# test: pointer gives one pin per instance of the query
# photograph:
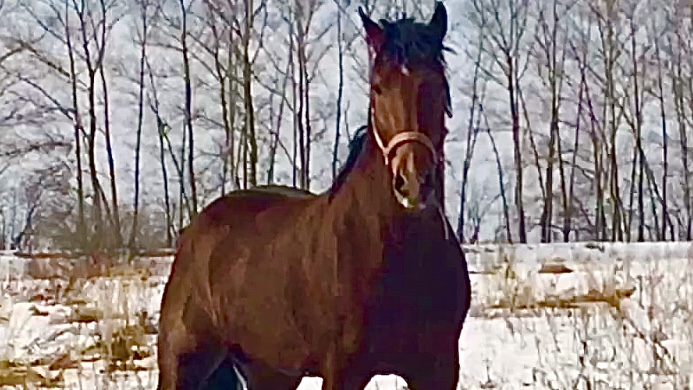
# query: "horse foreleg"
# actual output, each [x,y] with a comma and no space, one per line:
[262,377]
[202,369]
[187,359]
[442,372]
[352,374]
[331,378]
[347,381]
[355,377]
[169,345]
[191,366]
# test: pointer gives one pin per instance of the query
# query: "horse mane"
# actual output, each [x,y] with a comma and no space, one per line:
[355,147]
[410,42]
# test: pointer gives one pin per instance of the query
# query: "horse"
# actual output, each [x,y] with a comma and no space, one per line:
[340,285]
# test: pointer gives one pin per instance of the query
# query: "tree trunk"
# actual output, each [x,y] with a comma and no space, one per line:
[132,242]
[188,107]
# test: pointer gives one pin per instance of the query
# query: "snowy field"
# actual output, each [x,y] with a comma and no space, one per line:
[560,316]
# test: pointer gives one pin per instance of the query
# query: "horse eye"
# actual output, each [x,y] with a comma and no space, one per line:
[377,90]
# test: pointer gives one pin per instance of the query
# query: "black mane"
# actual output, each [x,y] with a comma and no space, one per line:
[355,147]
[409,42]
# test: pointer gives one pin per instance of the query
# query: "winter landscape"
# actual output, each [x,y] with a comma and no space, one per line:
[585,316]
[568,172]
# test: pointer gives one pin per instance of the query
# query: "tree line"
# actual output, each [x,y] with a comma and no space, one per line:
[596,99]
[121,120]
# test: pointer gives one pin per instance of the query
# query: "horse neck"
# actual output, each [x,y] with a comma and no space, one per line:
[439,185]
[368,188]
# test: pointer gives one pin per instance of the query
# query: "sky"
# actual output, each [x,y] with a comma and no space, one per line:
[122,70]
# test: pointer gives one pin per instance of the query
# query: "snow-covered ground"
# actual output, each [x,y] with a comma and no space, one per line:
[558,316]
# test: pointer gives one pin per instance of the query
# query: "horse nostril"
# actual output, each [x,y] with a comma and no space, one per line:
[400,185]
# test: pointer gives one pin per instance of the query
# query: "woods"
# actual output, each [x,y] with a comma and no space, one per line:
[122,120]
[588,106]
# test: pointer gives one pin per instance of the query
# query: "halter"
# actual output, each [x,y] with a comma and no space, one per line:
[404,137]
[399,139]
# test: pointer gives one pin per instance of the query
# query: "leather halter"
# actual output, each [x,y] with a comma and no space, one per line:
[404,137]
[399,139]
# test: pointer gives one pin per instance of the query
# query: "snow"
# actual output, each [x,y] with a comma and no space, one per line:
[644,340]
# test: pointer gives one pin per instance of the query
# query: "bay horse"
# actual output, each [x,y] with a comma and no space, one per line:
[341,285]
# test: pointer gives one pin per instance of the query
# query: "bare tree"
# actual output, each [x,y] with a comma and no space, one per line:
[58,30]
[13,113]
[107,25]
[475,110]
[234,28]
[580,58]
[479,205]
[35,186]
[340,92]
[608,20]
[250,173]
[551,54]
[221,19]
[306,56]
[280,92]
[91,61]
[93,28]
[658,93]
[162,129]
[682,94]
[501,180]
[302,24]
[142,31]
[504,24]
[184,10]
[634,121]
[176,31]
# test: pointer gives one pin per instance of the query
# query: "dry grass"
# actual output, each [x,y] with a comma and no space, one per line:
[101,315]
[618,324]
[589,320]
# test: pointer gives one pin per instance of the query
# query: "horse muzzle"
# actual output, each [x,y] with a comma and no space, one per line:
[413,190]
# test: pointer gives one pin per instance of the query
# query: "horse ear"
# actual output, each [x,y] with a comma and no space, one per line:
[439,21]
[374,34]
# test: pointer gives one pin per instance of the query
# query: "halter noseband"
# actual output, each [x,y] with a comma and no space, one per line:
[399,139]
